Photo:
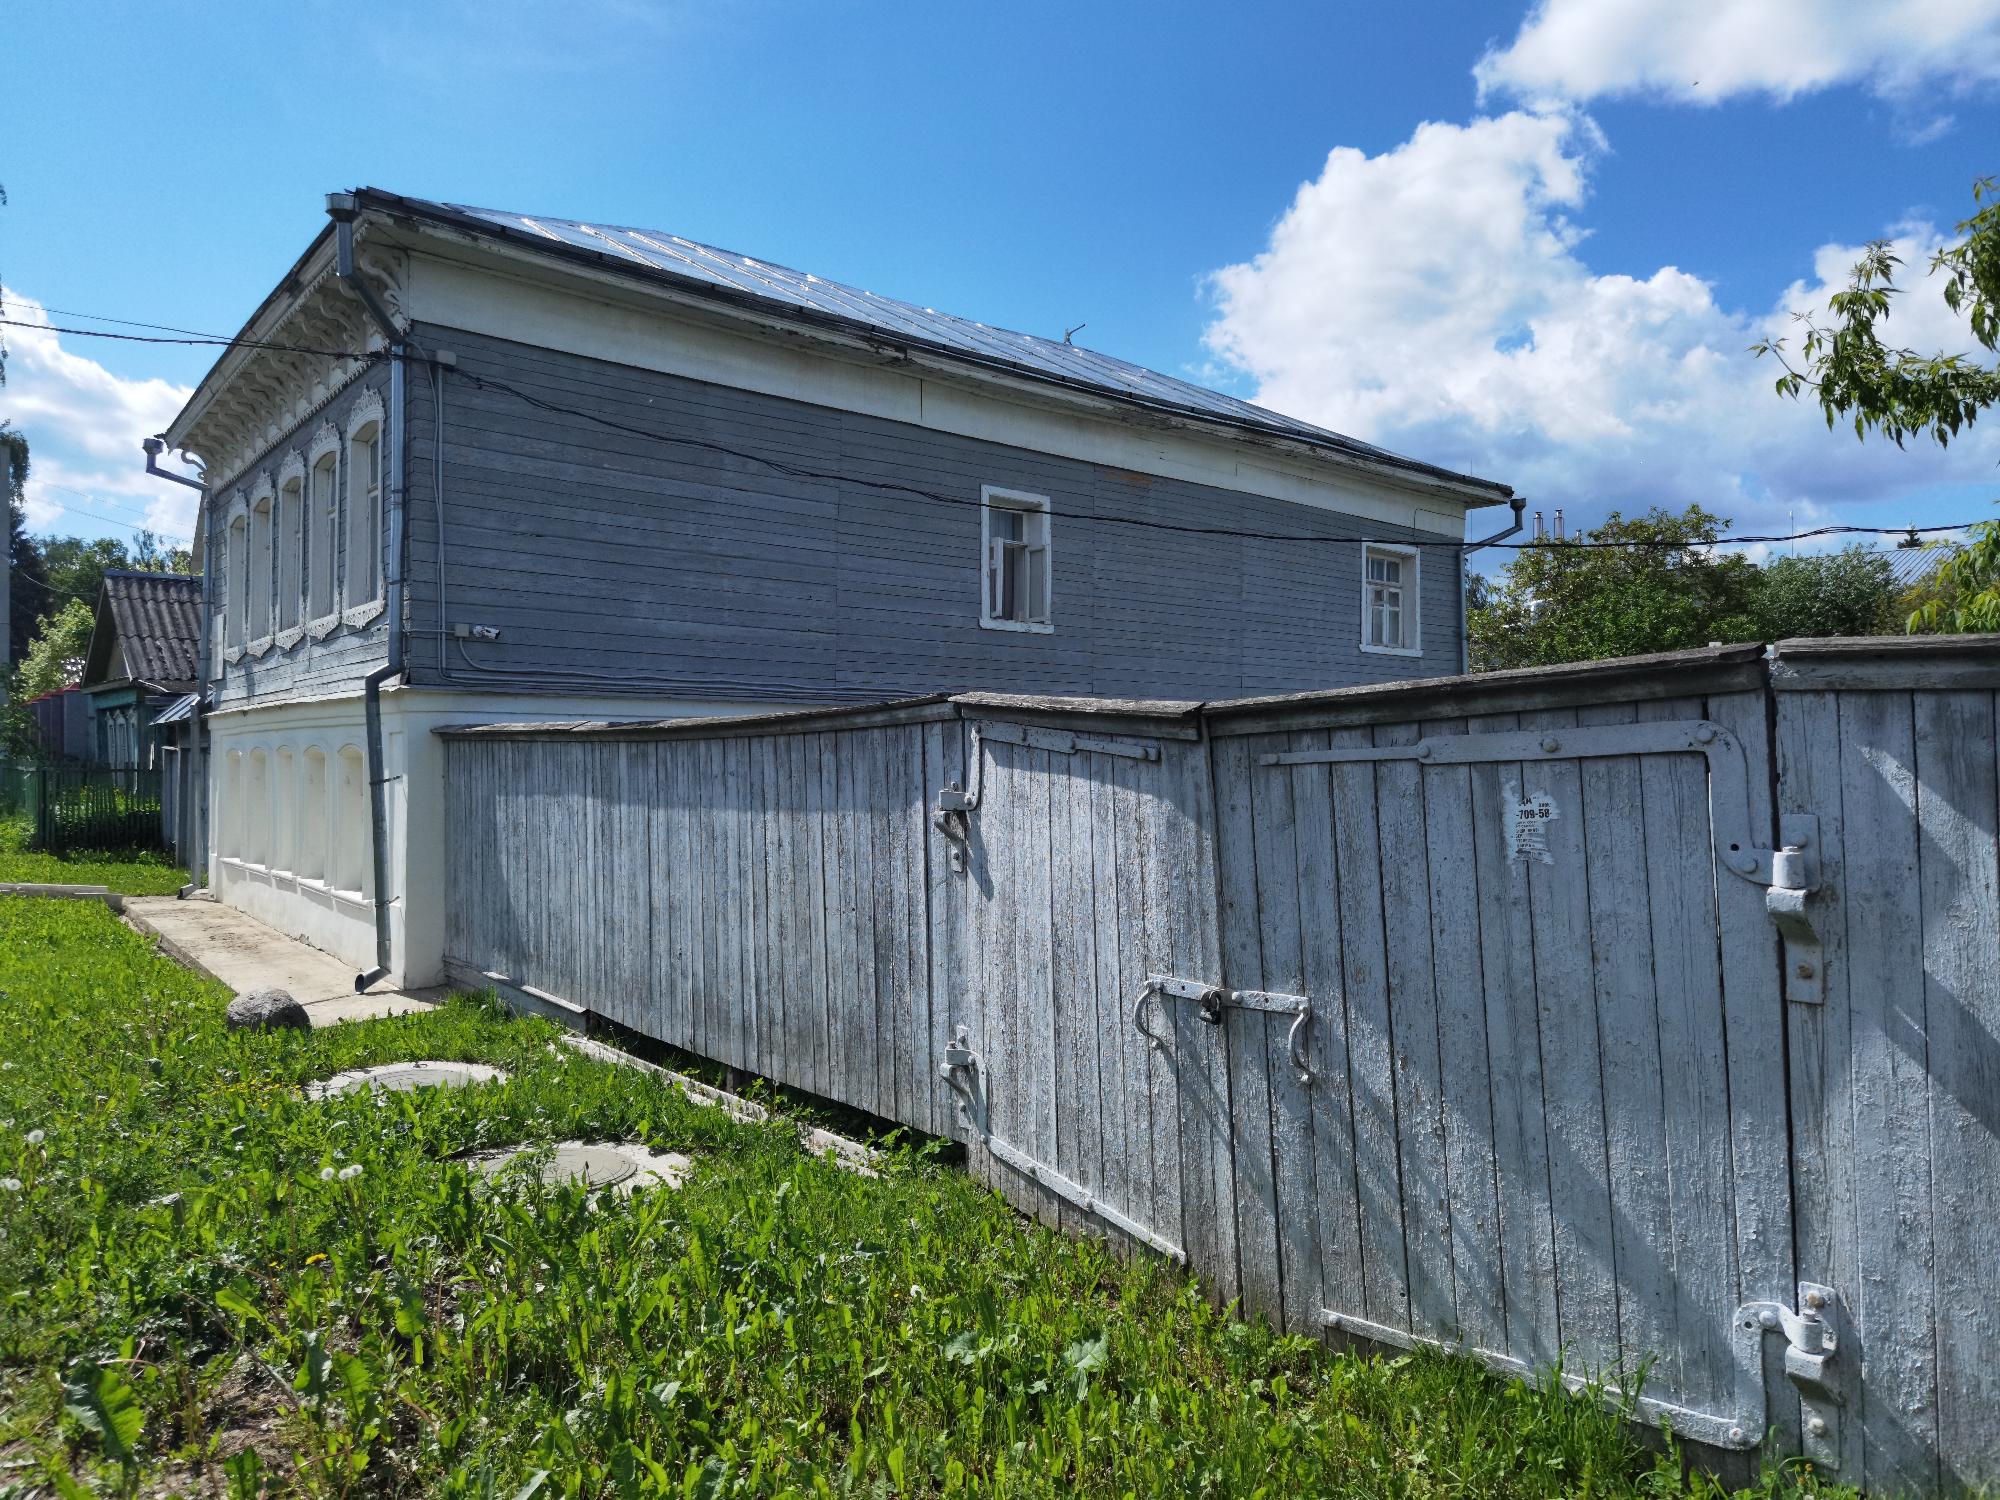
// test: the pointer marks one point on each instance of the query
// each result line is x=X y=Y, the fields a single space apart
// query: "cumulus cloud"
x=1703 y=53
x=1438 y=299
x=84 y=424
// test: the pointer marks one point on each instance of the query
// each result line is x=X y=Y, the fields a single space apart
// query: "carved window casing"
x=323 y=528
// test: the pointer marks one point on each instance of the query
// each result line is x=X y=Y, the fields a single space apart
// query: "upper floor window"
x=1389 y=619
x=1015 y=527
x=289 y=529
x=258 y=614
x=236 y=598
x=322 y=522
x=362 y=543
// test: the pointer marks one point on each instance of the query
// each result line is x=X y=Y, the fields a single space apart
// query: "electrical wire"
x=1582 y=541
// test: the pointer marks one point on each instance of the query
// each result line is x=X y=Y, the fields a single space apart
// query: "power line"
x=822 y=476
x=71 y=312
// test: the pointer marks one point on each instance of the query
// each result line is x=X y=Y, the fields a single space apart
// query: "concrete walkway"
x=243 y=954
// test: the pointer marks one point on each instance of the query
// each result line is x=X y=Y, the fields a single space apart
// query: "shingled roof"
x=155 y=619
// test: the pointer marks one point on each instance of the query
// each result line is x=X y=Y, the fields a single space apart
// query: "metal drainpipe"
x=196 y=777
x=343 y=210
x=1519 y=503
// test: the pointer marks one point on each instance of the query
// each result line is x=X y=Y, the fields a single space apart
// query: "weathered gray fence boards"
x=1895 y=1081
x=1557 y=1104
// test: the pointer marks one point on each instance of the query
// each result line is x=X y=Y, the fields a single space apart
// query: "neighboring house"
x=468 y=465
x=144 y=654
x=142 y=668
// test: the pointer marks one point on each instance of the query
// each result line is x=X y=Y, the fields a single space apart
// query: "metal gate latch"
x=1214 y=1000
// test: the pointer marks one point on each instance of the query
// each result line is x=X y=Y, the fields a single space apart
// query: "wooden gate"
x=1542 y=1116
x=1090 y=874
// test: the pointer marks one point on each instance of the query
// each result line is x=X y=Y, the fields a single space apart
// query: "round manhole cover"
x=597 y=1166
x=402 y=1078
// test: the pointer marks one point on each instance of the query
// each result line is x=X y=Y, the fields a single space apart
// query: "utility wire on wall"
x=938 y=497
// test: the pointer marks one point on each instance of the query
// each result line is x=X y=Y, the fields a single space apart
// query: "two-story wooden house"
x=468 y=465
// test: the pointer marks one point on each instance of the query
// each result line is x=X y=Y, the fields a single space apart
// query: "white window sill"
x=261 y=646
x=1027 y=626
x=1392 y=650
x=321 y=628
x=289 y=637
x=233 y=654
x=361 y=614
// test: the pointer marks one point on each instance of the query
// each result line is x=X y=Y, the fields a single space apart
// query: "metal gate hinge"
x=1214 y=999
x=1794 y=878
x=1812 y=1347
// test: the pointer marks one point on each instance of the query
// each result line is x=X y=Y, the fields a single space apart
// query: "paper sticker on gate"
x=1526 y=828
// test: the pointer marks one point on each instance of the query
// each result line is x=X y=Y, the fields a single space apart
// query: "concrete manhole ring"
x=622 y=1166
x=405 y=1077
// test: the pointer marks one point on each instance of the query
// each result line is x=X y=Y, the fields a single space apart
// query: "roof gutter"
x=343 y=210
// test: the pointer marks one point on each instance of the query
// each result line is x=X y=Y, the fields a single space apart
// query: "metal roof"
x=156 y=617
x=728 y=275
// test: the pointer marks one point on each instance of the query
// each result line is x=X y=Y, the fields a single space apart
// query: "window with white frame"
x=258 y=621
x=364 y=508
x=323 y=518
x=1389 y=620
x=289 y=528
x=1015 y=527
x=238 y=557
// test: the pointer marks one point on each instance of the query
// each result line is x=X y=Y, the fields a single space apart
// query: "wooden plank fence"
x=1641 y=1013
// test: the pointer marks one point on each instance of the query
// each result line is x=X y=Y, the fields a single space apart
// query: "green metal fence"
x=94 y=807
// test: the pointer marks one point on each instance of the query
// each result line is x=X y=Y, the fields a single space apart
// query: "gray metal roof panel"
x=677 y=259
x=158 y=619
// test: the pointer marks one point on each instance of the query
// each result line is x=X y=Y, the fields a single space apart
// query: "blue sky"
x=1544 y=270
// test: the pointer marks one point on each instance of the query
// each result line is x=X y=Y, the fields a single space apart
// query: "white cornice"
x=255 y=394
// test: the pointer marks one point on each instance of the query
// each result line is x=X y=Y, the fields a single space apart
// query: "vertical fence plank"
x=1409 y=973
x=1249 y=830
x=1559 y=898
x=1960 y=887
x=1891 y=1051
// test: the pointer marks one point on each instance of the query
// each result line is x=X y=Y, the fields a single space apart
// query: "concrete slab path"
x=243 y=954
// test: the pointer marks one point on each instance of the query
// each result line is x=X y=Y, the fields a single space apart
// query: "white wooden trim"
x=1413 y=595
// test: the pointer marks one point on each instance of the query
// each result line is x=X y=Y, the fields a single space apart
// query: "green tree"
x=1632 y=586
x=55 y=660
x=76 y=565
x=1901 y=393
x=1849 y=592
x=29 y=594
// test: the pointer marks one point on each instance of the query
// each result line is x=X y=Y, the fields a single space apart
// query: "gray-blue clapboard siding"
x=1556 y=1107
x=607 y=558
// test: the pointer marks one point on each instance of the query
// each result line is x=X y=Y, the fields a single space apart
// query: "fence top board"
x=1886 y=663
x=928 y=710
x=1624 y=679
x=1872 y=662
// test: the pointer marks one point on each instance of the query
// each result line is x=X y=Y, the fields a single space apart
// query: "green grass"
x=189 y=1303
x=132 y=874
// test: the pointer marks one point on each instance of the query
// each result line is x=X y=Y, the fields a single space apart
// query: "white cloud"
x=84 y=425
x=1704 y=53
x=1437 y=299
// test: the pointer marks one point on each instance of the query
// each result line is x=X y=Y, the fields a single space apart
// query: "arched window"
x=257 y=810
x=323 y=521
x=238 y=555
x=290 y=532
x=364 y=502
x=312 y=817
x=350 y=863
x=258 y=623
x=284 y=813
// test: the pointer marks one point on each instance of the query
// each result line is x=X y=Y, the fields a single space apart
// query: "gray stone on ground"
x=266 y=1010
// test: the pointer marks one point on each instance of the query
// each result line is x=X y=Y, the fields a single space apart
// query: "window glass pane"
x=1037 y=602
